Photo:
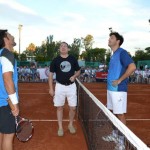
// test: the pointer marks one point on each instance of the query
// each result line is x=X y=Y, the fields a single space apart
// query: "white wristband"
x=13 y=98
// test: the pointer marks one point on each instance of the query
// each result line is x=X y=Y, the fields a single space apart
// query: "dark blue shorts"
x=7 y=120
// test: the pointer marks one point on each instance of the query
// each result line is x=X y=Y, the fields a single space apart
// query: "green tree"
x=88 y=42
x=96 y=54
x=148 y=51
x=40 y=52
x=16 y=55
x=99 y=54
x=50 y=48
x=83 y=56
x=23 y=57
x=107 y=56
x=31 y=47
x=75 y=48
x=30 y=50
x=139 y=55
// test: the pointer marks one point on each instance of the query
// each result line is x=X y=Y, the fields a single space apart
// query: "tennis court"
x=36 y=104
x=138 y=114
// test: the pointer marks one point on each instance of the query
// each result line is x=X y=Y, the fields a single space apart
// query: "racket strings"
x=24 y=130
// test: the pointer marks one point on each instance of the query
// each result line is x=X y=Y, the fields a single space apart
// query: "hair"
x=2 y=35
x=65 y=43
x=118 y=37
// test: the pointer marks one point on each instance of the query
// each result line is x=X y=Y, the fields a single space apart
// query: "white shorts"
x=117 y=102
x=62 y=92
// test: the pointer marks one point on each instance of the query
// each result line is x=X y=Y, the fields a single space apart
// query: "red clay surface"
x=36 y=104
x=138 y=113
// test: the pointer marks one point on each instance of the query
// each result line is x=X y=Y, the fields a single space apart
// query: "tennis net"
x=103 y=131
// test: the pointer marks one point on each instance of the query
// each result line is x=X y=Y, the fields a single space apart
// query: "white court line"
x=35 y=93
x=46 y=120
x=138 y=119
x=96 y=94
x=66 y=120
x=128 y=94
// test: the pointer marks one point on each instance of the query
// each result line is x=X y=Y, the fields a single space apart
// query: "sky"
x=69 y=19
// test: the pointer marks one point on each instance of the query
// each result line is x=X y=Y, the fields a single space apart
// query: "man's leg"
x=7 y=141
x=121 y=117
x=72 y=113
x=121 y=137
x=72 y=102
x=71 y=118
x=120 y=105
x=1 y=140
x=60 y=116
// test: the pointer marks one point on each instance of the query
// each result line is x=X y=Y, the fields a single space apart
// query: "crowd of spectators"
x=140 y=76
x=33 y=73
x=88 y=74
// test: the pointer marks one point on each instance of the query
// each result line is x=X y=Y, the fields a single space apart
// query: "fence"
x=47 y=63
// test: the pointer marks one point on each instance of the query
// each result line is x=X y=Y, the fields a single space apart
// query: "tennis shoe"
x=120 y=147
x=110 y=138
x=60 y=132
x=71 y=129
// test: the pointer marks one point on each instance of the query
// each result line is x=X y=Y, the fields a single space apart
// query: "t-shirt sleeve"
x=6 y=65
x=77 y=67
x=125 y=58
x=7 y=61
x=52 y=66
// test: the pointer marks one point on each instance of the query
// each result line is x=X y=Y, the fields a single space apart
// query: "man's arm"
x=10 y=88
x=77 y=73
x=131 y=68
x=50 y=81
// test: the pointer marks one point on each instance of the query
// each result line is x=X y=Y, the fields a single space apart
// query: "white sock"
x=121 y=139
x=115 y=133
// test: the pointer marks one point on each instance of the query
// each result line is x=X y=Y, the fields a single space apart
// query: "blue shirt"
x=117 y=67
x=7 y=63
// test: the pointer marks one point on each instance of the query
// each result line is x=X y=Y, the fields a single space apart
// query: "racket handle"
x=10 y=104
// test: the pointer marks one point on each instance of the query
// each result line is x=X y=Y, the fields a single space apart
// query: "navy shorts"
x=7 y=120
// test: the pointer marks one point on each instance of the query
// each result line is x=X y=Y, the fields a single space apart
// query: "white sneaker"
x=120 y=147
x=110 y=138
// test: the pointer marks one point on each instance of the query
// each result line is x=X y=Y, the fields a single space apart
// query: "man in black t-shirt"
x=67 y=70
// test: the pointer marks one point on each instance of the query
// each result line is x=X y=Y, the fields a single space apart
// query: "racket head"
x=24 y=129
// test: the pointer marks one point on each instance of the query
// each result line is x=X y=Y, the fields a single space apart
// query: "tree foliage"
x=142 y=55
x=147 y=50
x=75 y=48
x=16 y=55
x=107 y=56
x=31 y=47
x=88 y=42
x=96 y=54
x=49 y=50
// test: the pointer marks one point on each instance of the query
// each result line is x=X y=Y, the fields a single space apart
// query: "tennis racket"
x=24 y=127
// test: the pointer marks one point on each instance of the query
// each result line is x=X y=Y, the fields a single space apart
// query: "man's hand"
x=51 y=92
x=116 y=82
x=15 y=111
x=72 y=79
